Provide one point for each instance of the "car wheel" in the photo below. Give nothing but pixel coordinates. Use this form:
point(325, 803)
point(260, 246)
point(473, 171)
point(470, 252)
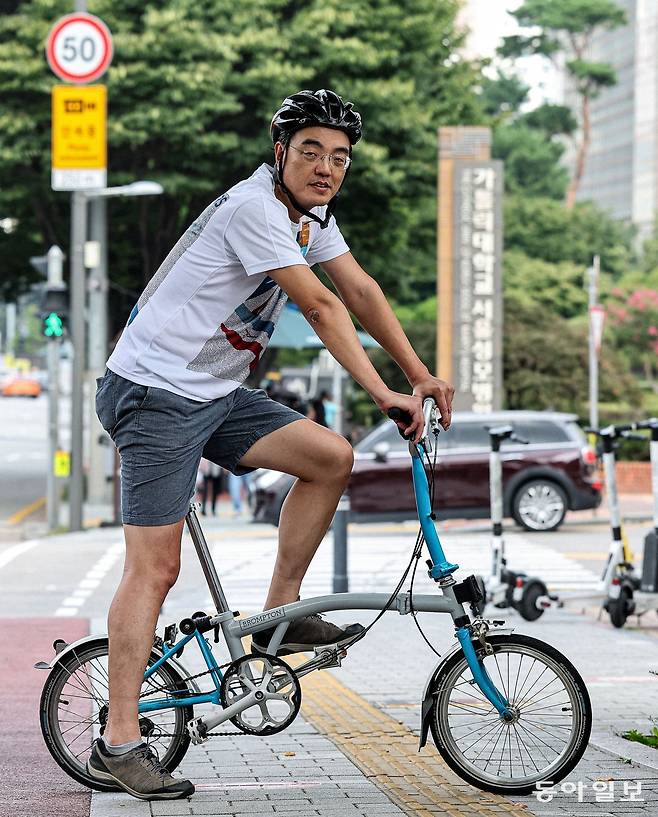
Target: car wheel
point(539, 505)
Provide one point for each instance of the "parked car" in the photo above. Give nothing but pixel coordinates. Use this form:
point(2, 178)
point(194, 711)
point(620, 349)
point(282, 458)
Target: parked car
point(555, 472)
point(21, 386)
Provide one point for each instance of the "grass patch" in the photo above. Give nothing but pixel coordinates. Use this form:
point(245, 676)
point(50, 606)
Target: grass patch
point(639, 737)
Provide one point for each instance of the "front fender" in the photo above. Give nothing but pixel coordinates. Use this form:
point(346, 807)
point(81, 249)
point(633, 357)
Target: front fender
point(69, 648)
point(429, 693)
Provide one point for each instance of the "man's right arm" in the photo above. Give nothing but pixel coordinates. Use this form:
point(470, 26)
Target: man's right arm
point(331, 322)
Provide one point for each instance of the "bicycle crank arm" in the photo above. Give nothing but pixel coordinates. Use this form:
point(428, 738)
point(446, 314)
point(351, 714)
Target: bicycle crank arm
point(199, 728)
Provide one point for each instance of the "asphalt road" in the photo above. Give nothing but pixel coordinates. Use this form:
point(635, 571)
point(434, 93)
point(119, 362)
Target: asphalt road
point(23, 430)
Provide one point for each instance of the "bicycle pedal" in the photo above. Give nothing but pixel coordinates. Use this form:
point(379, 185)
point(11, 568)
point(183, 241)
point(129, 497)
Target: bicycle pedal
point(197, 731)
point(330, 656)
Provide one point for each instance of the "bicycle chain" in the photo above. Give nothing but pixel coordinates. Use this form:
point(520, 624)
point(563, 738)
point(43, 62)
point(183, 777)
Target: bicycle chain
point(165, 688)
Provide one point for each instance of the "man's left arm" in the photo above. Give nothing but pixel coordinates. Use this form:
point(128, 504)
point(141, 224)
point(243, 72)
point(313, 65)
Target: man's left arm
point(363, 296)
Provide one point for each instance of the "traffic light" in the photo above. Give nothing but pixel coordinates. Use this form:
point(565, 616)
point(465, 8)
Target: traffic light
point(53, 326)
point(54, 310)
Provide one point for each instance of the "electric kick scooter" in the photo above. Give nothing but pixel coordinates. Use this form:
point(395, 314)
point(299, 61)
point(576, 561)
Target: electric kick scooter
point(507, 588)
point(628, 593)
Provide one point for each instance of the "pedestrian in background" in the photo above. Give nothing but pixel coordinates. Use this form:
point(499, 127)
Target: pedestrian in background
point(235, 484)
point(211, 484)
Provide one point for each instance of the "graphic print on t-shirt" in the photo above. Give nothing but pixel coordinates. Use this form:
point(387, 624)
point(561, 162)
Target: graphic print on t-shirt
point(235, 349)
point(304, 236)
point(184, 243)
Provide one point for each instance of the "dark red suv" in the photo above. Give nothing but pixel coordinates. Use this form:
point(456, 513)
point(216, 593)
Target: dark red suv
point(554, 473)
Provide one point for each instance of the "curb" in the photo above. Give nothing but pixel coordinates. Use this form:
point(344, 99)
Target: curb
point(637, 753)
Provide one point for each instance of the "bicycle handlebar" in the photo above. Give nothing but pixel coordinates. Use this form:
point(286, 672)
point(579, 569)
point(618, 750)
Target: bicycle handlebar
point(652, 422)
point(429, 409)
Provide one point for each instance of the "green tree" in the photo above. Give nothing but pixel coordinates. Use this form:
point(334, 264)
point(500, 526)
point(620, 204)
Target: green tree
point(566, 27)
point(532, 162)
point(550, 288)
point(191, 91)
point(503, 94)
point(530, 143)
point(545, 363)
point(544, 229)
point(634, 328)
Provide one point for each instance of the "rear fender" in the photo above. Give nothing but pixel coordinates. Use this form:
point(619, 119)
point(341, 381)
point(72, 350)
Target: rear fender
point(88, 639)
point(430, 693)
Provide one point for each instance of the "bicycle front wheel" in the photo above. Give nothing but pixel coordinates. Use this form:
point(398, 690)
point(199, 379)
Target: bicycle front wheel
point(74, 706)
point(552, 716)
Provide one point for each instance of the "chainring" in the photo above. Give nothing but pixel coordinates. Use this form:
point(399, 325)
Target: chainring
point(282, 693)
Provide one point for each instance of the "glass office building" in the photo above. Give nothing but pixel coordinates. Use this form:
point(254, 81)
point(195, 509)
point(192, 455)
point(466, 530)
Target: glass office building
point(621, 171)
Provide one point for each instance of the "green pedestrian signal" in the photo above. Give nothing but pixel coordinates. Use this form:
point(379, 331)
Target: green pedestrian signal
point(52, 326)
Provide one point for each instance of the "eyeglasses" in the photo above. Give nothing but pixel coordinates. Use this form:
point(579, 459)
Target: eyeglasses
point(336, 160)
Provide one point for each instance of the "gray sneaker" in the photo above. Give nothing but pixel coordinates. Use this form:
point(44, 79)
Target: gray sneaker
point(139, 772)
point(305, 634)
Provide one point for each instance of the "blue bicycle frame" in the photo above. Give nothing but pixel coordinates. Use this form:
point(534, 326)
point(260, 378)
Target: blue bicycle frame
point(441, 571)
point(171, 702)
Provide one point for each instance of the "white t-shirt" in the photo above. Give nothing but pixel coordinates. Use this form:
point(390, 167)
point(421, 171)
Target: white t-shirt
point(205, 318)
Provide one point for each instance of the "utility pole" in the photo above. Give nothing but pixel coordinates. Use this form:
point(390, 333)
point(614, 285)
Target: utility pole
point(78, 336)
point(595, 331)
point(97, 486)
point(56, 282)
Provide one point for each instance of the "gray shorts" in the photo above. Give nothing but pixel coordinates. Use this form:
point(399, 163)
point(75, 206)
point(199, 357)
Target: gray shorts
point(161, 438)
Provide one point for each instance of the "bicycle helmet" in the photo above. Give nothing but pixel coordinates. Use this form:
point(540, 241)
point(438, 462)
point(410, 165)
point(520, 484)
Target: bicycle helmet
point(308, 109)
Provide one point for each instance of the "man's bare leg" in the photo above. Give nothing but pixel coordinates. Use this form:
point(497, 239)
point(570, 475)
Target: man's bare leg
point(322, 462)
point(150, 570)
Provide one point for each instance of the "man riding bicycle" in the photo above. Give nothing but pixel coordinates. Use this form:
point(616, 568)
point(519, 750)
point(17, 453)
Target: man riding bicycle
point(173, 393)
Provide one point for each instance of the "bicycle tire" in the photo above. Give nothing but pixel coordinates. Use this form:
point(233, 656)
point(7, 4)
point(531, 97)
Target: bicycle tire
point(82, 676)
point(455, 675)
point(527, 606)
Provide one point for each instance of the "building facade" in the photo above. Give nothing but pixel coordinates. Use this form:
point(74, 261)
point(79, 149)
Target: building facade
point(621, 170)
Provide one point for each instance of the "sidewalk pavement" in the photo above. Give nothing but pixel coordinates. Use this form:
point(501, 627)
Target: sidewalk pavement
point(352, 749)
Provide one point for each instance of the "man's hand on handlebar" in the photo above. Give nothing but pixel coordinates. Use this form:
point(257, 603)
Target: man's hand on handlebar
point(413, 405)
point(442, 393)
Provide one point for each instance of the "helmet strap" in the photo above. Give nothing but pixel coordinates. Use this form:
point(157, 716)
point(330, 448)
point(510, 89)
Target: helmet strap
point(278, 179)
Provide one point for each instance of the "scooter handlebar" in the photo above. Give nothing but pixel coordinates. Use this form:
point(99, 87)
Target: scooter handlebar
point(628, 435)
point(612, 430)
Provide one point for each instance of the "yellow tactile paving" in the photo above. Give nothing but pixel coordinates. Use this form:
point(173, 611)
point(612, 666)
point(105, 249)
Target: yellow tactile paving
point(387, 753)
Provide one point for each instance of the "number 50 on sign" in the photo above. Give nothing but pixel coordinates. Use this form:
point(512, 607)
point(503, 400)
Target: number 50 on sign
point(79, 48)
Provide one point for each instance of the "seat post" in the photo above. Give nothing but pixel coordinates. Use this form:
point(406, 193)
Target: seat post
point(205, 559)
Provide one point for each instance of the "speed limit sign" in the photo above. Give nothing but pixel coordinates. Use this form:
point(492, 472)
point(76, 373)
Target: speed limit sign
point(79, 48)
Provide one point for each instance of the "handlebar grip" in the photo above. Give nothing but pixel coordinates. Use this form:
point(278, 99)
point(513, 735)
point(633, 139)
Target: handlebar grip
point(400, 414)
point(626, 427)
point(403, 416)
point(652, 422)
point(515, 438)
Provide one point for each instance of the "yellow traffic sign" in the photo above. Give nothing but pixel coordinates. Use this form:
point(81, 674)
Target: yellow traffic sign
point(79, 137)
point(62, 464)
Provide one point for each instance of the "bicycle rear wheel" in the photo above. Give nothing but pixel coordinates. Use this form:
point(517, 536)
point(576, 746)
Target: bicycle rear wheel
point(74, 704)
point(550, 729)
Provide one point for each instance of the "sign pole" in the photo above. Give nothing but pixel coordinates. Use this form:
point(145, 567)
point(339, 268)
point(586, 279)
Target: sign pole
point(79, 51)
point(78, 336)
